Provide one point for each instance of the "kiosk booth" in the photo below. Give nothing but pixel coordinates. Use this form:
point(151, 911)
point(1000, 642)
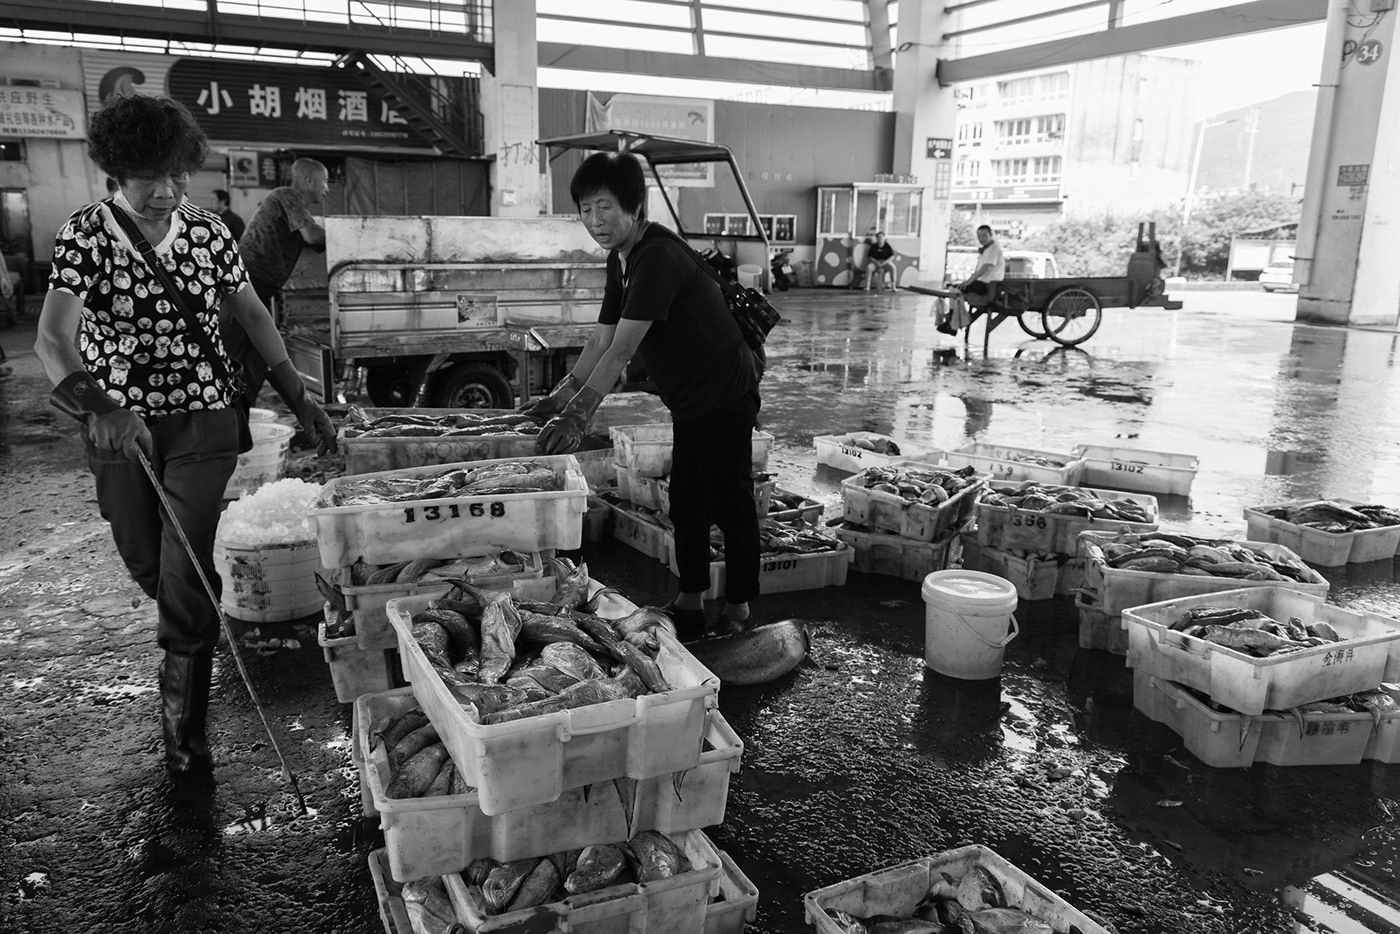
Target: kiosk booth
point(848, 217)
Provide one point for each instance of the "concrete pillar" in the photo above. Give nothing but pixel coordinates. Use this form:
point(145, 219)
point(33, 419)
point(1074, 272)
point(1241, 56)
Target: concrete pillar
point(511, 114)
point(924, 111)
point(1349, 236)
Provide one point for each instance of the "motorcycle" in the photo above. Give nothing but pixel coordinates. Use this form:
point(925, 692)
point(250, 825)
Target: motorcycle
point(782, 270)
point(721, 263)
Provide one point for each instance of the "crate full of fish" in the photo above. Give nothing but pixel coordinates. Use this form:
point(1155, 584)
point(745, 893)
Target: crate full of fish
point(1097, 629)
point(896, 556)
point(1263, 649)
point(451, 511)
point(1040, 517)
point(532, 699)
point(646, 450)
point(1119, 468)
point(787, 506)
point(654, 493)
point(430, 831)
point(645, 530)
point(913, 500)
point(1341, 731)
point(1033, 574)
point(375, 440)
point(1004, 462)
point(362, 591)
point(1135, 569)
point(791, 557)
point(1328, 533)
point(971, 888)
point(355, 671)
point(393, 913)
point(857, 450)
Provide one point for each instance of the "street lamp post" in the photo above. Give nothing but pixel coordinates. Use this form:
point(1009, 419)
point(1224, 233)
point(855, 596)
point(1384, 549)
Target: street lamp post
point(1191, 187)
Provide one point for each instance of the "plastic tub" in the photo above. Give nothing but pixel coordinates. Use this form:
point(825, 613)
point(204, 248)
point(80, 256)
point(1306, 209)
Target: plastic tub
point(434, 836)
point(1119, 589)
point(889, 512)
point(392, 912)
point(1384, 744)
point(1003, 463)
point(453, 527)
point(1325, 549)
point(264, 462)
point(256, 414)
point(897, 890)
point(736, 903)
point(354, 670)
point(657, 490)
point(1008, 527)
point(1098, 630)
point(1368, 655)
point(749, 275)
point(841, 453)
point(596, 520)
point(1035, 578)
point(969, 619)
point(367, 602)
point(668, 906)
point(634, 529)
point(531, 761)
point(785, 573)
point(891, 555)
point(268, 583)
point(810, 511)
point(646, 450)
point(1142, 471)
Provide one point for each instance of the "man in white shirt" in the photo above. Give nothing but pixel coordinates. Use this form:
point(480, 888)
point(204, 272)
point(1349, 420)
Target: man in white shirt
point(991, 265)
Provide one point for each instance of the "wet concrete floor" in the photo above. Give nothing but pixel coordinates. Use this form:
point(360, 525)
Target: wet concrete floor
point(859, 761)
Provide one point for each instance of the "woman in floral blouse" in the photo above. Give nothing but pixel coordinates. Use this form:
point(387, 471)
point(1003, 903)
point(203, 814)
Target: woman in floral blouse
point(121, 357)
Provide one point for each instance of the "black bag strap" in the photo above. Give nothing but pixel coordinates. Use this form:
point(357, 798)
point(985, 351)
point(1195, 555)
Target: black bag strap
point(193, 326)
point(727, 288)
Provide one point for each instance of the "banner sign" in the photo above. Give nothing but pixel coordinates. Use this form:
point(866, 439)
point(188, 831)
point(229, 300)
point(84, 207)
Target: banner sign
point(50, 113)
point(676, 117)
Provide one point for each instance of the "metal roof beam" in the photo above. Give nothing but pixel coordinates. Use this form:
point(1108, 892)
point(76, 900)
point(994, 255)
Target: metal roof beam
point(710, 68)
point(1237, 20)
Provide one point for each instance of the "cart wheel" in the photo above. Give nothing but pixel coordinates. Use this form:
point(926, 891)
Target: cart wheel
point(1031, 324)
point(473, 386)
point(389, 387)
point(1072, 315)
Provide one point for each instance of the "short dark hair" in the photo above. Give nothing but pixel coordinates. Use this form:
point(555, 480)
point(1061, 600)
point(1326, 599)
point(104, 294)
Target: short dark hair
point(619, 174)
point(221, 195)
point(984, 227)
point(142, 133)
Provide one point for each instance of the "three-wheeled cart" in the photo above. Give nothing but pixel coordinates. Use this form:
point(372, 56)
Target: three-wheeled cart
point(1068, 310)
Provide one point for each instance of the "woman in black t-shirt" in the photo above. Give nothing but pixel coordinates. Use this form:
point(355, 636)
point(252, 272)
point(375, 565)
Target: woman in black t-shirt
point(660, 305)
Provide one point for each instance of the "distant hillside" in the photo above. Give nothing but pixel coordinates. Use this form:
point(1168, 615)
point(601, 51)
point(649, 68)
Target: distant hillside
point(1280, 146)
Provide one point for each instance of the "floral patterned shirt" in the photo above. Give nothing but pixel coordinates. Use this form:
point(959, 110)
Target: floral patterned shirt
point(132, 339)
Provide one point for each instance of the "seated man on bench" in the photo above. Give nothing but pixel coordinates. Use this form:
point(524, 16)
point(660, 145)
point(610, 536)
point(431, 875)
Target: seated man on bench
point(980, 288)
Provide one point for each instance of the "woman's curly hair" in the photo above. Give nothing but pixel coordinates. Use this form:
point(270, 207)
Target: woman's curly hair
point(142, 134)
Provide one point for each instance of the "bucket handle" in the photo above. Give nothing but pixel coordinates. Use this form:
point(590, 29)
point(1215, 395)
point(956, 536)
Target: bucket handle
point(1015, 631)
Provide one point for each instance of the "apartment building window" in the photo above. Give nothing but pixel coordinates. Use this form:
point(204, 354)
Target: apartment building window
point(1016, 91)
point(968, 171)
point(970, 134)
point(1011, 171)
point(1046, 169)
point(1014, 132)
point(1053, 87)
point(1049, 128)
point(1137, 131)
point(971, 95)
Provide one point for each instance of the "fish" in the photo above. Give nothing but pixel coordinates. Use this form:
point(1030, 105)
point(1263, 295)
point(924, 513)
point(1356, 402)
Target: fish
point(538, 629)
point(389, 734)
point(1007, 921)
point(477, 871)
point(385, 575)
point(847, 922)
point(590, 606)
point(414, 570)
point(907, 926)
point(581, 694)
point(487, 698)
point(442, 784)
point(463, 639)
point(538, 886)
point(755, 656)
point(412, 744)
point(657, 856)
point(642, 620)
point(597, 868)
point(1324, 630)
point(545, 679)
point(573, 660)
point(459, 783)
point(500, 625)
point(504, 881)
point(979, 889)
point(429, 909)
point(432, 639)
point(417, 774)
point(342, 624)
point(1256, 642)
point(626, 653)
point(571, 582)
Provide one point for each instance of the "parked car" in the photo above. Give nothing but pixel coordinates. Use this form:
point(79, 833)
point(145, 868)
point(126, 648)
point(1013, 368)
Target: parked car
point(1278, 277)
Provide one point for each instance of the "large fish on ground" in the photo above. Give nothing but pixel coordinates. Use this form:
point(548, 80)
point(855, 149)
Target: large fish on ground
point(757, 655)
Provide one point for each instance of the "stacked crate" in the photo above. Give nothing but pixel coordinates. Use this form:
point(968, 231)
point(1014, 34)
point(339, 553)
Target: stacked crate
point(1233, 709)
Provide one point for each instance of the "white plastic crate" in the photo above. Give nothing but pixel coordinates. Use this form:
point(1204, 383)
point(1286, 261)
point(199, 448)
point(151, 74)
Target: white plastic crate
point(367, 601)
point(655, 492)
point(453, 527)
point(354, 670)
point(1033, 577)
point(786, 573)
point(841, 452)
point(1142, 471)
point(634, 529)
point(1368, 655)
point(1384, 744)
point(890, 512)
point(646, 450)
point(435, 836)
point(897, 890)
point(392, 912)
point(597, 467)
point(1118, 589)
point(374, 455)
point(667, 906)
point(1007, 527)
point(532, 761)
point(1001, 462)
point(809, 511)
point(891, 555)
point(737, 902)
point(1230, 740)
point(1325, 549)
point(1098, 630)
point(596, 520)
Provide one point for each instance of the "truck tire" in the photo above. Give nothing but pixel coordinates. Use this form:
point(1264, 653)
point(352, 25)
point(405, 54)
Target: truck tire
point(389, 387)
point(472, 386)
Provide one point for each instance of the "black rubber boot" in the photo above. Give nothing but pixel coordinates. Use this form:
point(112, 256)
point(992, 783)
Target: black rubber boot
point(184, 699)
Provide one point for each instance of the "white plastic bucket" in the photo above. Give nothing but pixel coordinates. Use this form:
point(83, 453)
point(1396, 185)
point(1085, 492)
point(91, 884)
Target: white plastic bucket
point(969, 618)
point(269, 583)
point(748, 275)
point(262, 464)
